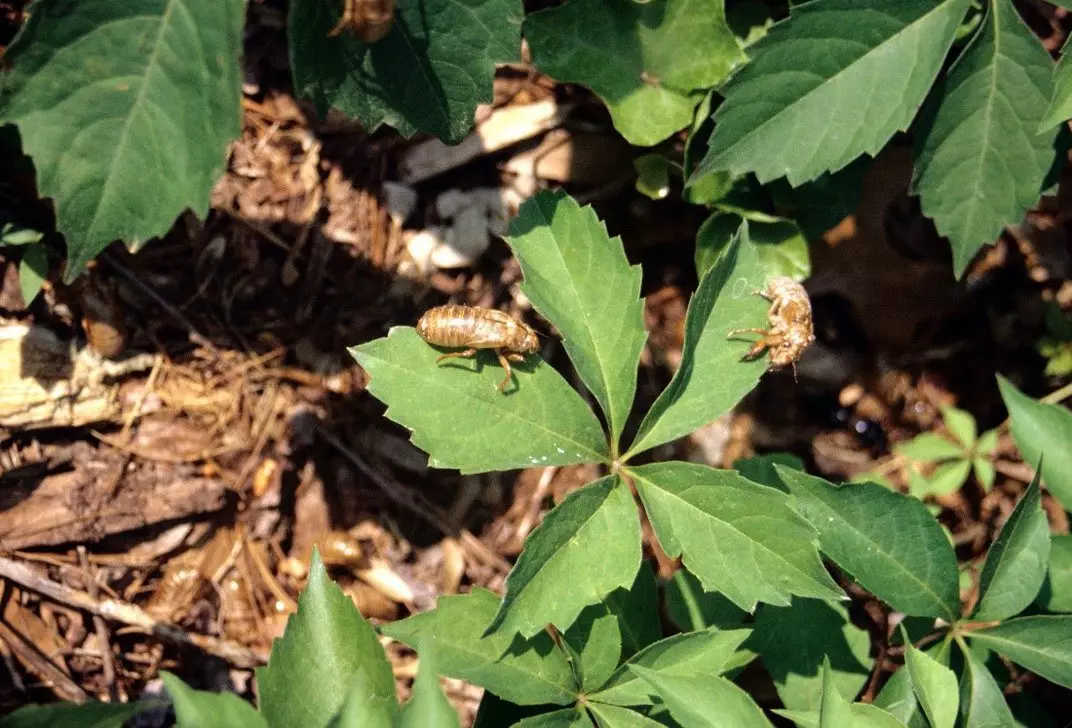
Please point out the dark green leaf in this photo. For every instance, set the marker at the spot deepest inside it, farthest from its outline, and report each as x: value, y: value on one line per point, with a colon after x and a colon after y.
x: 33, y: 269
x: 644, y: 61
x: 526, y: 672
x: 761, y: 468
x: 888, y: 542
x: 126, y: 108
x: 1042, y: 431
x: 327, y: 648
x: 1056, y: 593
x: 494, y: 712
x: 72, y: 715
x: 1016, y: 563
x: 202, y: 709
x: 428, y: 74
x: 428, y: 707
x: 556, y: 575
x: 980, y: 162
x: 1041, y: 644
x: 704, y: 702
x: 711, y: 378
x: 595, y: 644
x: 460, y: 418
x: 833, y: 66
x: 702, y: 654
x: 654, y: 172
x: 568, y: 718
x: 579, y: 279
x: 982, y: 704
x: 740, y: 538
x: 637, y: 610
x: 1060, y: 108
x: 691, y: 608
x: 794, y: 640
x: 935, y: 686
x: 781, y: 246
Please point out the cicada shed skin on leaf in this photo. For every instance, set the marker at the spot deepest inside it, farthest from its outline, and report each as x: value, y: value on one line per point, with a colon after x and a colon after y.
x: 791, y: 329
x: 369, y: 20
x: 478, y: 328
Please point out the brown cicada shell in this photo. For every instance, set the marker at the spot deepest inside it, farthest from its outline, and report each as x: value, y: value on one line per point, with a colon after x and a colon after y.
x: 369, y: 20
x: 791, y: 329
x: 479, y: 328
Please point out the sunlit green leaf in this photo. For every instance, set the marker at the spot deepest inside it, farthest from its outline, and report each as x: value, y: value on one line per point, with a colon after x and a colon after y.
x: 935, y: 686
x: 1060, y: 108
x: 897, y: 698
x: 33, y: 269
x: 595, y: 645
x: 781, y: 246
x: 428, y: 707
x: 982, y: 704
x: 615, y: 716
x: 1056, y: 592
x: 834, y: 710
x: 202, y: 709
x: 929, y: 447
x: 961, y: 424
x: 1042, y: 431
x: 1042, y: 644
x: 704, y: 702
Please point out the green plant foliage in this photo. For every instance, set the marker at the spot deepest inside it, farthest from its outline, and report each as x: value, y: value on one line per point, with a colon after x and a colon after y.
x: 1042, y: 644
x: 1042, y: 431
x: 203, y: 709
x: 982, y: 703
x: 780, y: 244
x: 568, y: 718
x: 863, y: 715
x: 833, y: 65
x: 459, y: 417
x: 578, y: 278
x: 888, y: 542
x: 649, y: 63
x: 614, y: 716
x: 1056, y: 592
x: 834, y: 708
x: 428, y: 707
x: 525, y: 672
x: 697, y: 702
x: 953, y: 459
x: 1060, y: 108
x: 428, y: 74
x: 594, y: 643
x: 72, y: 715
x: 794, y: 640
x: 692, y: 608
x: 704, y: 654
x: 897, y: 699
x: 980, y: 160
x: 1016, y: 563
x: 126, y: 108
x: 360, y: 710
x: 739, y: 538
x: 711, y: 378
x: 935, y: 686
x: 637, y: 611
x: 555, y: 577
x: 33, y: 269
x: 326, y: 650
x: 654, y: 173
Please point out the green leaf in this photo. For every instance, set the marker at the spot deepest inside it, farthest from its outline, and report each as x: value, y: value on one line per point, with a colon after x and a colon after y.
x: 1042, y: 644
x: 1042, y: 431
x: 888, y: 542
x: 703, y: 654
x: 834, y: 710
x: 794, y: 640
x: 33, y: 269
x: 980, y: 162
x: 982, y: 704
x: 829, y: 84
x: 984, y: 472
x: 961, y: 425
x: 595, y: 645
x: 643, y: 61
x: 202, y: 709
x: 1016, y: 563
x: 494, y: 712
x: 897, y: 698
x: 654, y: 172
x: 928, y: 447
x: 988, y: 443
x: 741, y: 539
x: 691, y: 608
x: 863, y: 716
x: 428, y: 74
x: 637, y: 611
x: 935, y: 686
x: 568, y: 718
x: 556, y: 575
x: 1060, y: 109
x: 11, y: 234
x: 947, y: 478
x: 1056, y: 593
x: 820, y: 205
x: 428, y: 707
x: 614, y: 716
x: 525, y: 672
x: 72, y: 715
x: 361, y: 710
x: 704, y: 702
x: 327, y: 647
x: 460, y: 418
x: 761, y: 468
x: 579, y: 279
x: 711, y: 379
x: 781, y: 246
x: 116, y: 99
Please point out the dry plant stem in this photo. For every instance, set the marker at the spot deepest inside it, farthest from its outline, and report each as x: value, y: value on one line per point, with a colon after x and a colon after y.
x: 104, y: 639
x: 43, y: 668
x: 128, y: 614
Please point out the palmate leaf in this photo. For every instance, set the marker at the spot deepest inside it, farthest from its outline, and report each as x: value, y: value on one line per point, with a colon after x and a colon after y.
x: 525, y: 672
x: 1016, y: 563
x: 888, y: 542
x: 935, y: 686
x: 980, y: 161
x: 829, y: 84
x: 712, y: 378
x: 897, y: 699
x: 578, y: 278
x: 460, y: 418
x: 645, y: 61
x: 326, y: 649
x: 203, y: 709
x: 1042, y: 644
x: 594, y: 642
x: 704, y: 702
x: 1042, y: 431
x: 428, y: 74
x: 116, y: 98
x: 982, y: 703
x: 556, y: 576
x: 614, y: 716
x: 739, y: 538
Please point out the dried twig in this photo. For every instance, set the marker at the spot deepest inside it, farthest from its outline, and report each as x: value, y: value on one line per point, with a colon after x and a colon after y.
x: 104, y: 639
